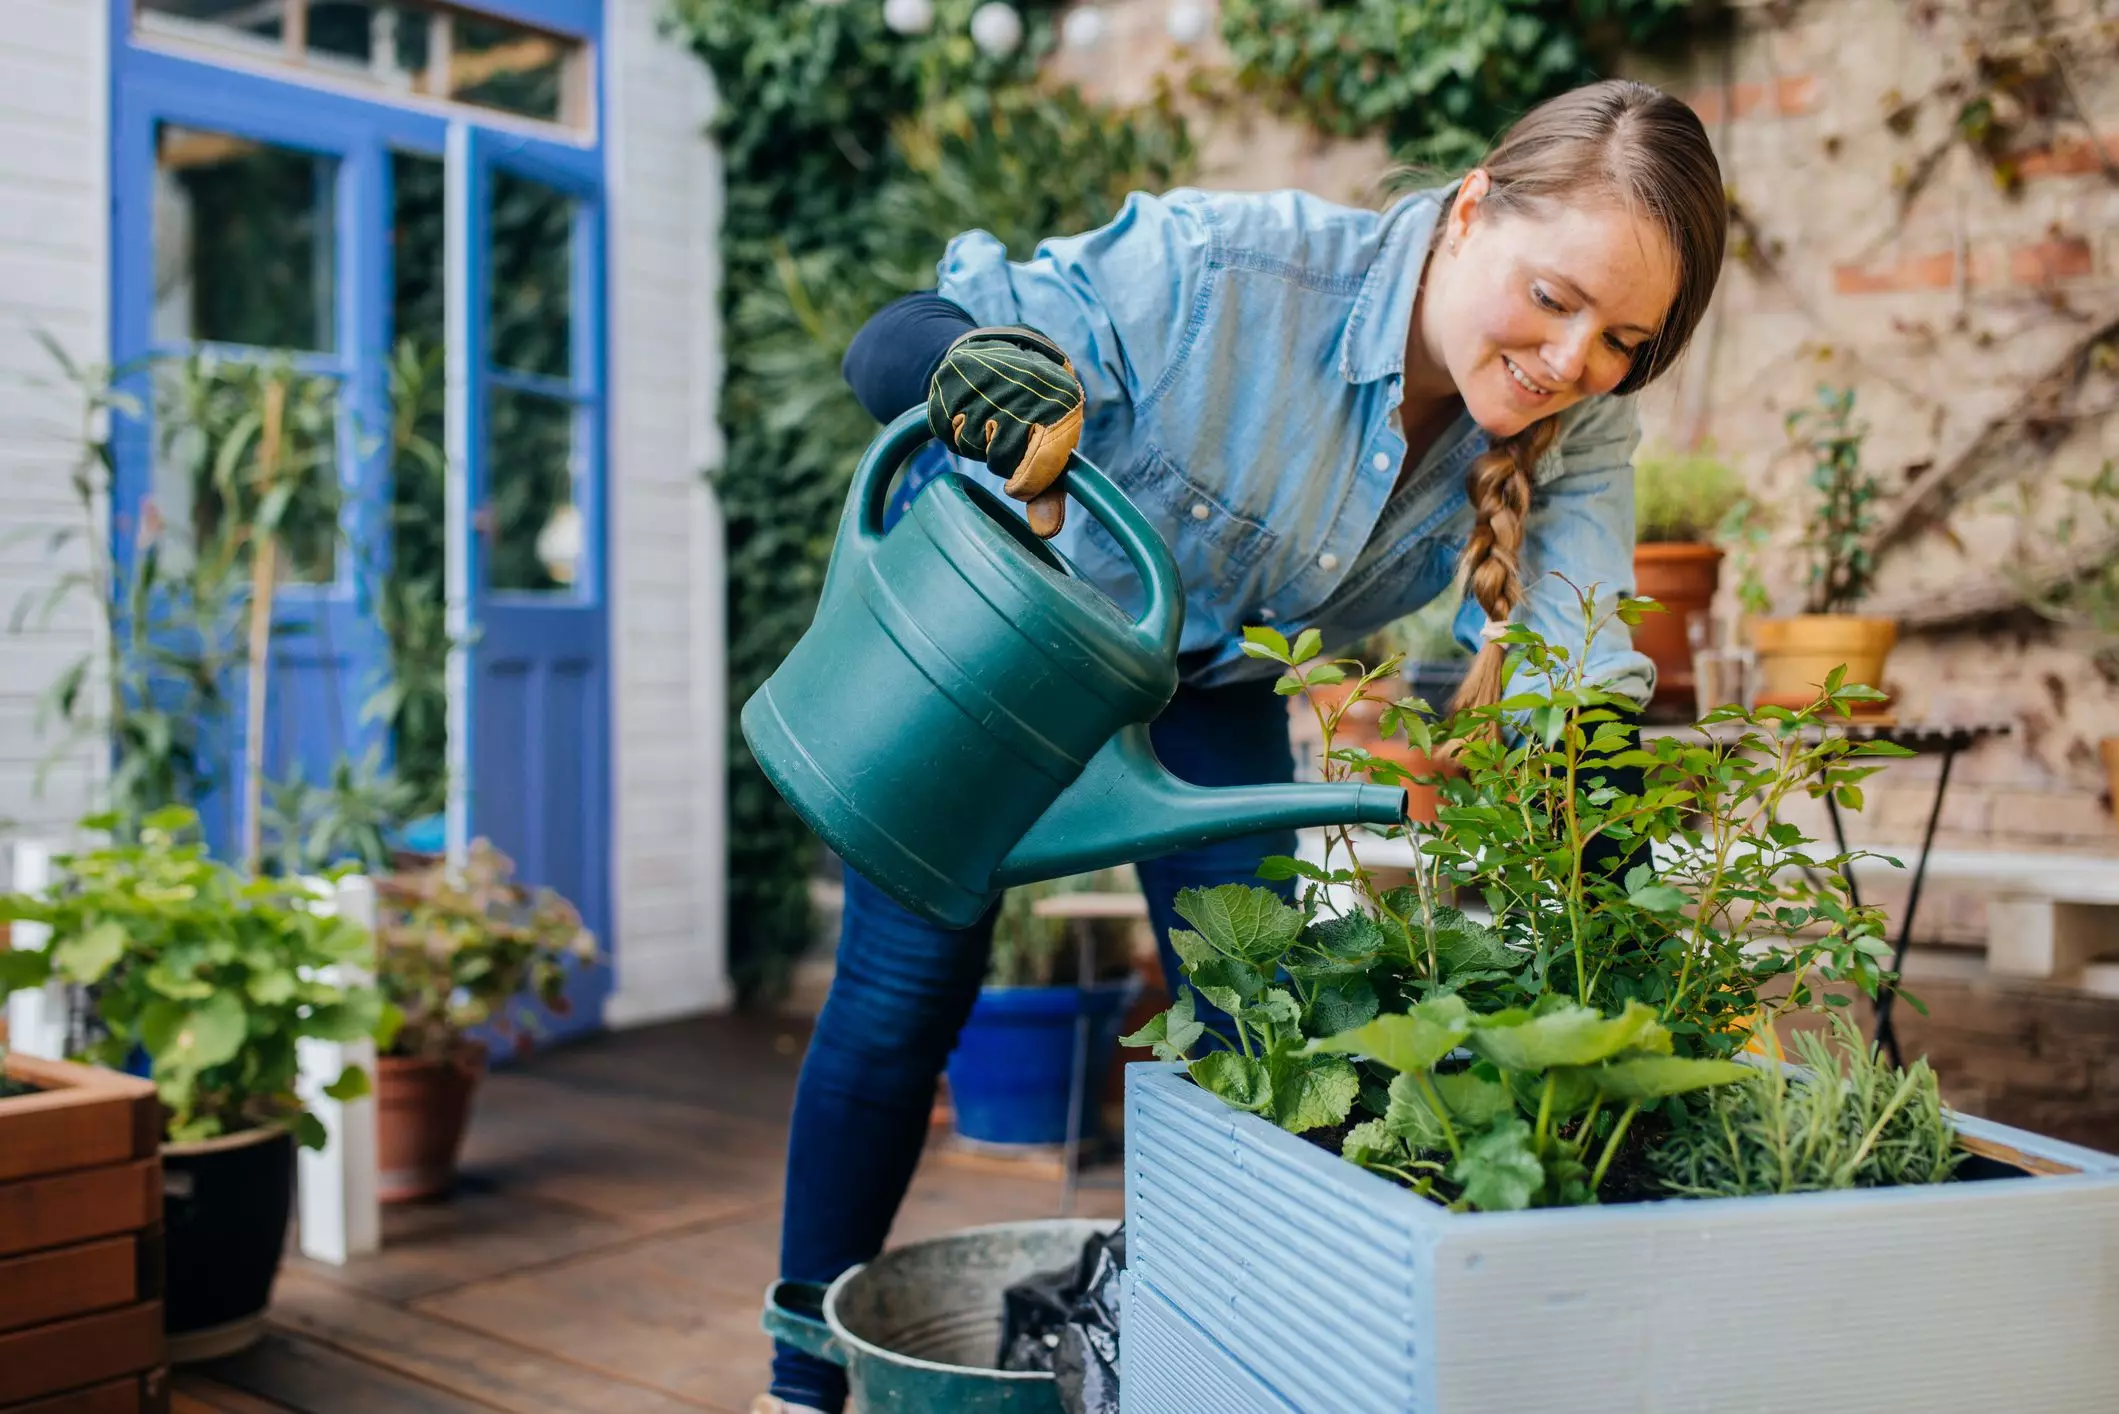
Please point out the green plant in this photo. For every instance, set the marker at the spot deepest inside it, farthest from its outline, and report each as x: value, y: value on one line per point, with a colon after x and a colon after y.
x: 1836, y: 533
x: 1646, y: 896
x: 1438, y: 82
x: 852, y: 154
x: 460, y: 948
x: 349, y: 818
x: 1682, y: 497
x: 2087, y: 597
x: 215, y: 976
x: 1847, y: 1120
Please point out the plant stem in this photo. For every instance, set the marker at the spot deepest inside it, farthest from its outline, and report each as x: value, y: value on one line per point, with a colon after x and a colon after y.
x: 1611, y: 1146
x: 1552, y: 1082
x: 1434, y: 1100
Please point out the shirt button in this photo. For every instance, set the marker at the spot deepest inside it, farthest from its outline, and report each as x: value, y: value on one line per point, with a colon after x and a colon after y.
x: 1381, y: 461
x: 1328, y: 562
x: 1200, y: 511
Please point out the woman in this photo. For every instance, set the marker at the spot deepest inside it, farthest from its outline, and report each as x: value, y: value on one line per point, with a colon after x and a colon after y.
x: 1329, y: 414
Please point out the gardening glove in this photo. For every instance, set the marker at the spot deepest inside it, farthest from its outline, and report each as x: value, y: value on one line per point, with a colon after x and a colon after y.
x: 1009, y: 398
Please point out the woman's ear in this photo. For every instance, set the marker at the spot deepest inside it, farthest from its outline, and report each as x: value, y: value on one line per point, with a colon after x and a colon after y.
x: 1464, y: 211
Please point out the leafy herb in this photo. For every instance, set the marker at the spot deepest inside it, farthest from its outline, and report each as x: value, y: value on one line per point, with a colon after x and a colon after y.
x: 1850, y: 1121
x: 214, y: 976
x: 1682, y: 497
x: 1836, y: 532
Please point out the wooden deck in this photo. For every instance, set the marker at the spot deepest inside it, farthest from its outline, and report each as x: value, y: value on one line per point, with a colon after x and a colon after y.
x: 617, y: 1225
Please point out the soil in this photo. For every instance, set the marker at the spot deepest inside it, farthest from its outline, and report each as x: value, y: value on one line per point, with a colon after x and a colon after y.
x: 11, y: 1087
x: 1629, y: 1179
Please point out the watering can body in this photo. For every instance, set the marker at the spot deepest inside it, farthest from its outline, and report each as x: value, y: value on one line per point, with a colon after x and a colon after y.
x: 968, y: 712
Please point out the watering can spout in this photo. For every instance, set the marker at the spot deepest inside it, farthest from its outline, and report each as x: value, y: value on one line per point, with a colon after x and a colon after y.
x: 1126, y: 806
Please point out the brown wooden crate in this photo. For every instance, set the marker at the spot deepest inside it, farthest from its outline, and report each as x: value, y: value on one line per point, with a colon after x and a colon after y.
x: 135, y: 1394
x: 59, y: 1210
x: 65, y: 1355
x: 79, y: 1117
x: 69, y: 1281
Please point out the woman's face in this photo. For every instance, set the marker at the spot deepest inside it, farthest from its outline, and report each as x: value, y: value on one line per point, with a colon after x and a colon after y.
x: 1532, y: 312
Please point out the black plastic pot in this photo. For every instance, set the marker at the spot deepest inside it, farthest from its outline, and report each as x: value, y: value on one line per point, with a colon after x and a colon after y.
x: 224, y: 1205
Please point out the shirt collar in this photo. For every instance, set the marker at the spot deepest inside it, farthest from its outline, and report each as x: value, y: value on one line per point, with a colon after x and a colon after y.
x: 1373, y: 345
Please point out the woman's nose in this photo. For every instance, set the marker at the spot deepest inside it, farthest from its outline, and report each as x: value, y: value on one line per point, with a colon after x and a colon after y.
x: 1566, y: 356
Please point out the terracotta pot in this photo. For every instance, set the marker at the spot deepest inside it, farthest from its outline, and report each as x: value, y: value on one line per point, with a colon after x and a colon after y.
x: 1682, y: 578
x: 1359, y: 727
x: 1796, y: 654
x: 2109, y: 750
x: 422, y: 1108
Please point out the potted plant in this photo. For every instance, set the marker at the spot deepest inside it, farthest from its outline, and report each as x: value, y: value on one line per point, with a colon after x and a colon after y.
x: 1012, y: 1075
x: 1796, y: 654
x: 459, y: 951
x: 209, y: 980
x: 2084, y: 598
x: 1447, y: 1164
x: 1680, y: 501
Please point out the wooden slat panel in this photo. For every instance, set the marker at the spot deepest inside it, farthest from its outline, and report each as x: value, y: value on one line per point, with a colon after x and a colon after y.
x: 135, y: 1394
x: 68, y: 1281
x: 47, y: 1359
x: 81, y: 1117
x: 62, y: 1209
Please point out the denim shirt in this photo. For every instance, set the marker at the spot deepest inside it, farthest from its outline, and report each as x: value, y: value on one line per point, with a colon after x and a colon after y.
x: 1244, y: 359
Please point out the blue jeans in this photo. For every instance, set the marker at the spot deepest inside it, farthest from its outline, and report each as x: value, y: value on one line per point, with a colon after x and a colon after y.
x: 904, y: 987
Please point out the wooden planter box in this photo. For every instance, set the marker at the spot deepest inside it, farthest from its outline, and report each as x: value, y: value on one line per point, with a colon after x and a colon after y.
x: 80, y: 1243
x: 1267, y: 1275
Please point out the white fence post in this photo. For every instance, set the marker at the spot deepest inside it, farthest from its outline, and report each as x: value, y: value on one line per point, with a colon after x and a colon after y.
x: 36, y: 1019
x: 339, y: 1214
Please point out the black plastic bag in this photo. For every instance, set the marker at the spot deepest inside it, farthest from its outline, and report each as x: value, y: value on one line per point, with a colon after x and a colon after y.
x: 1065, y: 1323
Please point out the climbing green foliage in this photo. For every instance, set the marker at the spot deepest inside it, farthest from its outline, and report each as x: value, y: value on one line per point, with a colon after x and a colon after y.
x: 1437, y: 79
x: 852, y: 155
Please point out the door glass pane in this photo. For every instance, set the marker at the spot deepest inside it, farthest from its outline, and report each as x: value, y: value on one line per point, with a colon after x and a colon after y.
x: 531, y: 275
x: 499, y: 65
x: 253, y: 21
x: 532, y: 522
x: 209, y: 454
x: 243, y: 241
x: 412, y: 610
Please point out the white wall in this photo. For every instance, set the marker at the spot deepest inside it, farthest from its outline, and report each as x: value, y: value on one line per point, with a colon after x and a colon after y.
x: 54, y: 196
x: 665, y: 553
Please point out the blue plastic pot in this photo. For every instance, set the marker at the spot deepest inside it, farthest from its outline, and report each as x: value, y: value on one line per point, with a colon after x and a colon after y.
x: 1010, y: 1075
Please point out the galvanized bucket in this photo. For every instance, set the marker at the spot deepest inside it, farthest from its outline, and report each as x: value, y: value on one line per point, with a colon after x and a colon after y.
x: 918, y: 1329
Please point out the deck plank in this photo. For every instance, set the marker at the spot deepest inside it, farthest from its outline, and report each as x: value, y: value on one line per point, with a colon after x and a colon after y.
x: 314, y: 1379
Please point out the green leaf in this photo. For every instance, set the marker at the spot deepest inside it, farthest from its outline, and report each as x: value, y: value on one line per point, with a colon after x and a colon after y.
x: 23, y: 968
x: 1312, y: 1094
x: 1410, y: 1117
x: 274, y: 988
x: 1357, y: 937
x: 1370, y: 1142
x: 207, y: 1034
x: 352, y: 1084
x: 1239, y: 1080
x: 1658, y: 898
x: 1342, y: 1005
x: 1307, y: 645
x: 1464, y: 946
x: 1170, y: 1033
x: 1267, y: 643
x: 309, y: 1131
x: 1278, y: 1009
x: 85, y: 957
x: 1474, y: 1101
x: 1566, y: 1034
x: 1499, y: 1169
x: 163, y: 979
x: 1413, y: 1041
x: 1241, y: 920
x: 1642, y: 1079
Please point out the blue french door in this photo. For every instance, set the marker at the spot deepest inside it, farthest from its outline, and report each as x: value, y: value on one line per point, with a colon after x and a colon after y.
x: 249, y: 230
x: 530, y: 586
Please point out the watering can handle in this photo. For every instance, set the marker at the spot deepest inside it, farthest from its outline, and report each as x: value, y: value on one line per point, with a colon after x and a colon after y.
x: 787, y: 1319
x: 861, y: 528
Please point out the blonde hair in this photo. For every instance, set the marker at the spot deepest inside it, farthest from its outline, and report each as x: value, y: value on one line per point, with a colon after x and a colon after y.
x: 1612, y: 140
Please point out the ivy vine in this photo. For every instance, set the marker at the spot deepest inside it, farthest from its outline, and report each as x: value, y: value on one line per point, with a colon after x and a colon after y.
x: 852, y: 154
x: 1438, y: 79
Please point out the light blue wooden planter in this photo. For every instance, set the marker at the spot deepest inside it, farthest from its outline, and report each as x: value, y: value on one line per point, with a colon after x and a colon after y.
x: 1267, y: 1275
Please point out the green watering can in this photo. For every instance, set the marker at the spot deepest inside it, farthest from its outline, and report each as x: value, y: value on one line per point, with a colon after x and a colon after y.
x: 968, y: 712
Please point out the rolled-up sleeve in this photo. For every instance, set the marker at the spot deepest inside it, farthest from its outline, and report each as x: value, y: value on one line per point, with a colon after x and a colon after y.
x: 1581, y: 527
x: 1121, y: 299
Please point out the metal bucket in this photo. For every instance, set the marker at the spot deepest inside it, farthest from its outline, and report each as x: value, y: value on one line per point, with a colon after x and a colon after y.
x: 918, y: 1329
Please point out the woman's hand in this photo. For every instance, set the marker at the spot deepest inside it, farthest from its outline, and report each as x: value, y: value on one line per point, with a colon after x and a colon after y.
x: 1009, y: 398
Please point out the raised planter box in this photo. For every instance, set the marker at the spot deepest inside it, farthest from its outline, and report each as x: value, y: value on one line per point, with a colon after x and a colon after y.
x: 1267, y: 1275
x: 81, y: 1243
